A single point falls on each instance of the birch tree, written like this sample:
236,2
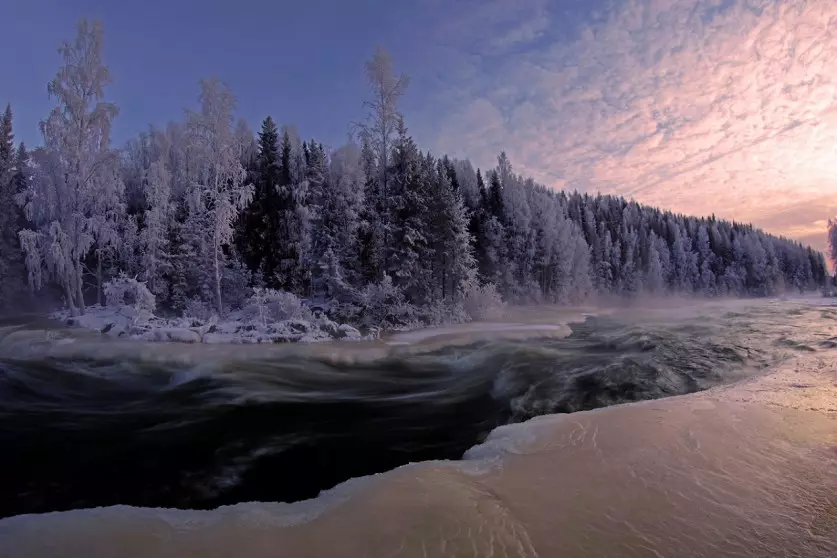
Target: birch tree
77,190
217,191
153,238
382,122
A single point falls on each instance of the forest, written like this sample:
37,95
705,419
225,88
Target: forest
203,214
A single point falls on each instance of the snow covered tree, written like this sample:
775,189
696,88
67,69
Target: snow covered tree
377,232
293,246
261,220
341,209
7,145
706,278
319,190
832,243
383,119
379,130
157,219
655,281
76,194
218,190
455,266
408,256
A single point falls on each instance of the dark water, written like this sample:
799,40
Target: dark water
91,432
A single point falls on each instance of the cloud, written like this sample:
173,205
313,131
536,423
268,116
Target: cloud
715,106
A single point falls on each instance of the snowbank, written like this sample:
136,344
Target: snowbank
126,322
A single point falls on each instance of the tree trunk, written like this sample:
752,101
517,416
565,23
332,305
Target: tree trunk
217,277
99,278
79,292
68,294
444,277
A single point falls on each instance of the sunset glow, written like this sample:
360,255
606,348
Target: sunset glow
723,107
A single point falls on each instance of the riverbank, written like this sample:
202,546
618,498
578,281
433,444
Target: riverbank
743,469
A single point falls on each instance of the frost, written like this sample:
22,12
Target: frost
382,305
273,317
124,290
272,305
483,302
375,233
196,308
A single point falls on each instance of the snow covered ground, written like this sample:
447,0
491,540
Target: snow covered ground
125,322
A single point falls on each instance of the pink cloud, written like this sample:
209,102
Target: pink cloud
694,107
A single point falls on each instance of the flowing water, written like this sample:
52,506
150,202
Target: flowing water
87,423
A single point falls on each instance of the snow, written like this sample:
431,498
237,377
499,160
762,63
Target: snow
346,331
125,322
753,461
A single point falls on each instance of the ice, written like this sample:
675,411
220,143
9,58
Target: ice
744,470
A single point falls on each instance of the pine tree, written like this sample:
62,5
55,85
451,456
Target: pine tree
371,232
654,277
496,205
12,272
340,213
409,255
455,266
7,145
320,193
294,244
260,236
706,278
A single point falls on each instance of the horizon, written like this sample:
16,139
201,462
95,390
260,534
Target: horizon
641,115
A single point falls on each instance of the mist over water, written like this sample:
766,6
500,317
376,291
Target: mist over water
93,429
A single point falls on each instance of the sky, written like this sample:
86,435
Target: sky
698,106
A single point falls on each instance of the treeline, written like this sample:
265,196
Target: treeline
203,210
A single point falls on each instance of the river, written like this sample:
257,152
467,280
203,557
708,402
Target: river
746,467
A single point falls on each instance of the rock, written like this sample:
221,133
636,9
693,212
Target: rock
176,335
345,331
296,326
139,330
107,328
329,327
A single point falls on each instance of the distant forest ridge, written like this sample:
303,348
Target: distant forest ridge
204,211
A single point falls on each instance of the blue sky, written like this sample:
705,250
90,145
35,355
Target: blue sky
700,106
301,62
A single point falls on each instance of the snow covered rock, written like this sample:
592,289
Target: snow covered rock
346,331
245,327
172,334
